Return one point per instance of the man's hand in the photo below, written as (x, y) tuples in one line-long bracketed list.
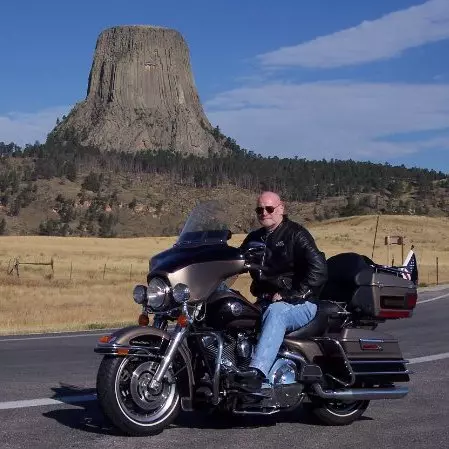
[(276, 297)]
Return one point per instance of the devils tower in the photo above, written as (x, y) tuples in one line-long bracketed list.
[(141, 95)]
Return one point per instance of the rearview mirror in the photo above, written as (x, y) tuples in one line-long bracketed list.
[(254, 246)]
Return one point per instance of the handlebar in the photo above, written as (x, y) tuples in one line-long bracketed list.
[(252, 266)]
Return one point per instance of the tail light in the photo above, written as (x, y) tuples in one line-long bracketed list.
[(392, 307), (395, 314), (411, 300), (370, 346)]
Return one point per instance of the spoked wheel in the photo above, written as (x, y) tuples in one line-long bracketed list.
[(124, 396), (338, 413)]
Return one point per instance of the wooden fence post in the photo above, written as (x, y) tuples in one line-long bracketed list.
[(437, 270)]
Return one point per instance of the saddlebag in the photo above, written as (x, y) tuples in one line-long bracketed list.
[(370, 290), (374, 357)]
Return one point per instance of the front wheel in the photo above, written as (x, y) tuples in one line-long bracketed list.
[(338, 413), (124, 397)]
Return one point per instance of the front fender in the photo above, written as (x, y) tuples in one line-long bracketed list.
[(151, 343)]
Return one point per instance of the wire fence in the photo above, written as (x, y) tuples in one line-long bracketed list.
[(14, 264), (429, 274), (70, 270)]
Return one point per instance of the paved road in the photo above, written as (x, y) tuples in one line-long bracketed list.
[(64, 366)]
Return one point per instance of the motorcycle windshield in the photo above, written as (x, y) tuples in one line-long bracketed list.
[(207, 224)]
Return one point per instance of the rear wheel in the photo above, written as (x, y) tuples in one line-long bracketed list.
[(338, 413)]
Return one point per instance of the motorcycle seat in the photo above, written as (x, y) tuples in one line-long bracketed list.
[(319, 324)]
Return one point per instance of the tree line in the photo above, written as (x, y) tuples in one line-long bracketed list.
[(298, 179)]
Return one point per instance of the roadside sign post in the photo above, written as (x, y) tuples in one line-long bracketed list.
[(394, 240)]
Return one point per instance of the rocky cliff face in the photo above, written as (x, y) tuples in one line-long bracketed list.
[(141, 95)]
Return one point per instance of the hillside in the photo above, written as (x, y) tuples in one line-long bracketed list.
[(56, 189)]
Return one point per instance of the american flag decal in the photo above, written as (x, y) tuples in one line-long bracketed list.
[(409, 270)]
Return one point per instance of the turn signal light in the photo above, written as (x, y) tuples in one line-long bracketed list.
[(183, 320), (143, 320), (105, 339)]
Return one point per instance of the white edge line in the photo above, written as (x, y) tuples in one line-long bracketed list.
[(47, 401), (429, 358), (433, 299), (49, 337)]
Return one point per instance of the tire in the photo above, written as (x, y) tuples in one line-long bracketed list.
[(127, 403), (337, 413)]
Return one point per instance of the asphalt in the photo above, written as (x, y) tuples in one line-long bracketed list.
[(63, 366)]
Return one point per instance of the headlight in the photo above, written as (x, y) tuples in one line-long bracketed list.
[(157, 293), (181, 293), (140, 294)]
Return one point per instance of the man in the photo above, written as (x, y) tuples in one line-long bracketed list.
[(294, 274)]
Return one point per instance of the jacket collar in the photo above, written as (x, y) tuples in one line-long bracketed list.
[(279, 226)]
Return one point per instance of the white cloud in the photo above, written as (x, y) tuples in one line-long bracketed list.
[(332, 120), (22, 128), (383, 38)]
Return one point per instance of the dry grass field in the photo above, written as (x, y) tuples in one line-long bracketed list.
[(92, 281)]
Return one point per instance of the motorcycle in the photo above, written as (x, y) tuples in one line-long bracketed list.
[(334, 366)]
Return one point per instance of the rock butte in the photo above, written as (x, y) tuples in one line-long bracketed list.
[(141, 95)]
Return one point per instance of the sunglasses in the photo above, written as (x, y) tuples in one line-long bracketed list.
[(270, 209)]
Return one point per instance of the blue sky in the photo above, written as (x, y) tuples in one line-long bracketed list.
[(367, 80)]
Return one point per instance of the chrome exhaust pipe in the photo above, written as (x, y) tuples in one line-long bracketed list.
[(361, 394)]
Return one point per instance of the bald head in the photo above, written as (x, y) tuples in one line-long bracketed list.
[(269, 197), (270, 210)]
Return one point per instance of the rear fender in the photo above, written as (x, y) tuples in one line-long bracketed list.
[(309, 349), (150, 343), (320, 357)]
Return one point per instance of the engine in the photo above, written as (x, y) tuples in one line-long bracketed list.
[(237, 350)]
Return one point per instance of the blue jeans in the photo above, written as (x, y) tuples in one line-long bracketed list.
[(279, 318)]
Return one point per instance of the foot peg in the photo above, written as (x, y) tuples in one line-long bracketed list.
[(204, 392), (259, 394), (311, 374), (250, 381)]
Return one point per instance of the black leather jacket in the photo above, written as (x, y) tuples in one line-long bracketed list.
[(295, 267)]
